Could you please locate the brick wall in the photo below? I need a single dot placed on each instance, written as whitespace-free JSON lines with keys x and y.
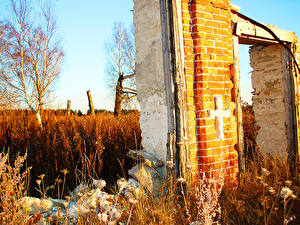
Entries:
{"x":208,"y":49}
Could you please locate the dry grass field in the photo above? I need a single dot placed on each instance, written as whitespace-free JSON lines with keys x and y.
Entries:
{"x":86,"y":146}
{"x":71,"y":150}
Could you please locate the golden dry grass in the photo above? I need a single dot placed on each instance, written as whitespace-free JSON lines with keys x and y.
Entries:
{"x":97,"y":146}
{"x":86,"y":146}
{"x":257,"y":198}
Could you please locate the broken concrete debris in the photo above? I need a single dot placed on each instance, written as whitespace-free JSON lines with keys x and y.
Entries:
{"x":147,"y":171}
{"x":145,"y":157}
{"x":89,"y":201}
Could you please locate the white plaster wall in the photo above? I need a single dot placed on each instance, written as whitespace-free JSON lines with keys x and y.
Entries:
{"x":150,"y":77}
{"x":271,"y":104}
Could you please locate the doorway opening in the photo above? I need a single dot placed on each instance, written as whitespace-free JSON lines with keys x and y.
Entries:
{"x":267,"y":100}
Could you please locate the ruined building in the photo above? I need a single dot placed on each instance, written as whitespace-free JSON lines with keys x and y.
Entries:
{"x":188,"y":84}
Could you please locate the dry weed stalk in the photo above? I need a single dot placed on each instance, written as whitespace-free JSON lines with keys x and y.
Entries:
{"x":201,"y":200}
{"x":180,"y":202}
{"x":207,"y":195}
{"x":12,"y":188}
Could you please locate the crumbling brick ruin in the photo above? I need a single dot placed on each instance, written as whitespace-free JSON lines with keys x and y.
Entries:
{"x":188,"y":85}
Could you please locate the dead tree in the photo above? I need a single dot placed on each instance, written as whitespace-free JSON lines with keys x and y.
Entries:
{"x":121,"y":60}
{"x":123,"y":93}
{"x":91,"y":104}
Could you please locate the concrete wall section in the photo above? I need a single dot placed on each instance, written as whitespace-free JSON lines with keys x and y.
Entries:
{"x":272,"y":101}
{"x":151,"y":90}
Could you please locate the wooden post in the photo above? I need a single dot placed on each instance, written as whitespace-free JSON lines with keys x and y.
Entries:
{"x":91,"y":104}
{"x":239,"y":113}
{"x":68,"y":107}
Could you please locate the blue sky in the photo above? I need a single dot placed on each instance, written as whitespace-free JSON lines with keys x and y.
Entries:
{"x":85,"y":25}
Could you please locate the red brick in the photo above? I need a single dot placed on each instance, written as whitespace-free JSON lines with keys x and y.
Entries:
{"x":186,"y":27}
{"x":221,"y":18}
{"x":216,"y":78}
{"x":204,"y":43}
{"x":186,"y":21}
{"x":221,"y":31}
{"x":223,"y":72}
{"x":199,"y":21}
{"x":199,"y":34}
{"x":222,"y":58}
{"x":201,"y":85}
{"x":186,"y":14}
{"x":216,"y":85}
{"x":189,"y":78}
{"x":215,"y":24}
{"x":195,"y":7}
{"x":204,"y":105}
{"x":203,"y":2}
{"x":188,"y":42}
{"x":217,"y":91}
{"x":225,"y":12}
{"x":189,"y":57}
{"x":220,"y":44}
{"x":201,"y":77}
{"x":189,"y":71}
{"x":187,"y":35}
{"x":206,"y":159}
{"x":205,"y":137}
{"x":189,"y":64}
{"x":221,"y":5}
{"x":201,"y":56}
{"x":202,"y":28}
{"x":188,"y":49}
{"x":185,"y":6}
{"x":212,"y":10}
{"x":211,"y":50}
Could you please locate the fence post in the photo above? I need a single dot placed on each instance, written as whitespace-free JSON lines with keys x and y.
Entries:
{"x":91,"y":104}
{"x":68,"y":107}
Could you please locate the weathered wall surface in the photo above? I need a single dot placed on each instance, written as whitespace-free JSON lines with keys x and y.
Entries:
{"x":296,"y":76}
{"x":208,"y":59}
{"x":208,"y":49}
{"x":272,"y":101}
{"x":150,"y":83}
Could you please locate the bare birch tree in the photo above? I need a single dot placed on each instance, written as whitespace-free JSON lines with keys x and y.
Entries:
{"x":34,"y":56}
{"x":120,"y":71}
{"x":3,"y":64}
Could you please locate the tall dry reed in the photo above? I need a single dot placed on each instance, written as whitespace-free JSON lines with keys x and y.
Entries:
{"x":86,"y":146}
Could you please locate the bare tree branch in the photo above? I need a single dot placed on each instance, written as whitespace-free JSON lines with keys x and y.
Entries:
{"x":131,"y":89}
{"x":129,"y":76}
{"x":129,"y":92}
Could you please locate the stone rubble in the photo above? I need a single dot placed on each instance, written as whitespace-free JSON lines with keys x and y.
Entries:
{"x":92,"y":200}
{"x":84,"y":201}
{"x":147,"y":172}
{"x":145,"y":157}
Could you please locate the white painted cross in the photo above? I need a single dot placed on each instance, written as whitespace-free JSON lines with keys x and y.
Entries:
{"x":218,"y":114}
